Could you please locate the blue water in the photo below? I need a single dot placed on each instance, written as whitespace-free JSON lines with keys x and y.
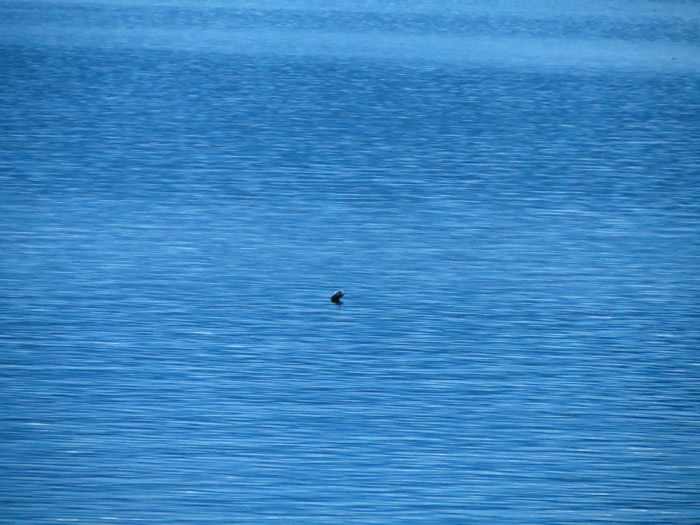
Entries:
{"x":509,"y":196}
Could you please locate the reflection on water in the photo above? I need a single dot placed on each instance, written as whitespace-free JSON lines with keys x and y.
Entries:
{"x":628,"y":36}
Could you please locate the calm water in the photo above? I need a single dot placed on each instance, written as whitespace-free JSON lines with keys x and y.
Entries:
{"x":510,"y":199}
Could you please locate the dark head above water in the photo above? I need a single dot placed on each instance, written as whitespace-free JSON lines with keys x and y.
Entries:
{"x":336,"y":297}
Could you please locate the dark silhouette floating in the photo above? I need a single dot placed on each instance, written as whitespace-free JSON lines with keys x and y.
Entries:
{"x":336,"y":297}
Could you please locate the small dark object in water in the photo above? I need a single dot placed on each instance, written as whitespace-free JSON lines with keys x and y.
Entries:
{"x":336,"y":297}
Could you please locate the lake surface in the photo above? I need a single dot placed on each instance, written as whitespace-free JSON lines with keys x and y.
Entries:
{"x":509,"y":196}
